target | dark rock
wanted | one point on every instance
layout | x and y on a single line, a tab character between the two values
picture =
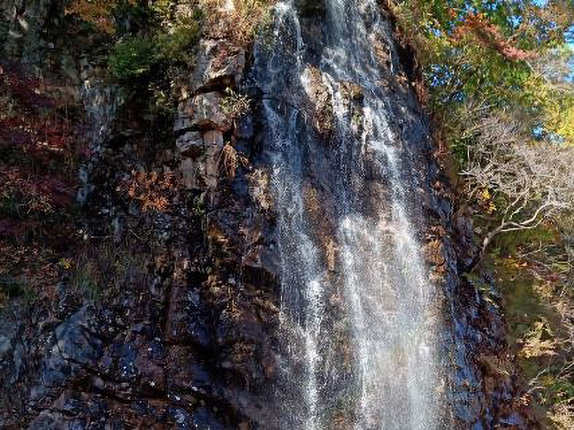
202	170
244	128
310	8
204	419
5	346
188	318
74	347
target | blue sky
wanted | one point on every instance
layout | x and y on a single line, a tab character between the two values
569	33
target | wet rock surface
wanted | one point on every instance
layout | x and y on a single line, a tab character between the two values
188	340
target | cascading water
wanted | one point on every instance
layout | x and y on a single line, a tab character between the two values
358	316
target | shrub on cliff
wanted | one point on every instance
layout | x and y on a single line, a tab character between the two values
133	58
238	25
152	62
99	14
140	55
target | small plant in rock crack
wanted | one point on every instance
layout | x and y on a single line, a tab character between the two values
234	104
229	161
198	207
357	119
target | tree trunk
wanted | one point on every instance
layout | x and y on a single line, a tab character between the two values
483	247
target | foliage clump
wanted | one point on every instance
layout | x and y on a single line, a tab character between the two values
499	80
238	24
145	46
139	57
39	152
234	105
99	13
133	58
482	58
525	184
153	191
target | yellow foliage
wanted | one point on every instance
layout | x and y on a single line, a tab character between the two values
65	263
97	12
534	343
485	201
562	123
152	190
556	104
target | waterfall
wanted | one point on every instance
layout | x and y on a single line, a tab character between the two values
358	312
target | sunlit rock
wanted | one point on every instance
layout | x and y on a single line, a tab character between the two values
219	65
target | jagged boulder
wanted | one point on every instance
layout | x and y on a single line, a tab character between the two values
220	64
75	346
200	170
190	144
203	112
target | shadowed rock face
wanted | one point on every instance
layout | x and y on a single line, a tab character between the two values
310	8
193	336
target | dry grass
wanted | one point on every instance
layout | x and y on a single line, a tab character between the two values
151	189
235	20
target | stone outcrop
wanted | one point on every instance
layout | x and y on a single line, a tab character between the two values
219	65
203	112
200	165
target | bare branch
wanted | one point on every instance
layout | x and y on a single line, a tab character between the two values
534	178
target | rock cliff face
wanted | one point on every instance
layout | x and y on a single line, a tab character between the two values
189	335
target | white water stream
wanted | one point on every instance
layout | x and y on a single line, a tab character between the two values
388	307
